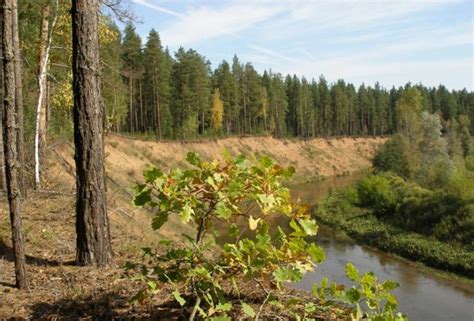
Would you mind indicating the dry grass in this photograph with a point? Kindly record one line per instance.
(61, 291)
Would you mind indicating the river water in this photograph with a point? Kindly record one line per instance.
(423, 295)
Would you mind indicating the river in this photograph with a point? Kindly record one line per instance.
(423, 295)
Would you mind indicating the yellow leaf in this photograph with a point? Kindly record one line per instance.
(253, 223)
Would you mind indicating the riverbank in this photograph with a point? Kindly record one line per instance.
(361, 225)
(59, 289)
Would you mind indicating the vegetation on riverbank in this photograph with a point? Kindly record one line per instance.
(237, 197)
(340, 211)
(420, 202)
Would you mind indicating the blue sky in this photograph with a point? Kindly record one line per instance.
(392, 42)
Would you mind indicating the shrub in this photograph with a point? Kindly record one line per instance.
(376, 192)
(223, 194)
(392, 158)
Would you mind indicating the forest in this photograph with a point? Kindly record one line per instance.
(149, 91)
(70, 74)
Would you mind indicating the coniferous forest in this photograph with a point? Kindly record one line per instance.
(149, 91)
(223, 239)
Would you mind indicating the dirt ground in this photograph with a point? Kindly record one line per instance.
(61, 291)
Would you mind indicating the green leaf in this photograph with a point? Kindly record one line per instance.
(286, 274)
(158, 221)
(353, 295)
(298, 231)
(222, 211)
(317, 254)
(151, 174)
(153, 286)
(221, 318)
(193, 159)
(351, 272)
(309, 226)
(142, 198)
(234, 230)
(224, 307)
(248, 310)
(186, 213)
(179, 298)
(390, 285)
(266, 200)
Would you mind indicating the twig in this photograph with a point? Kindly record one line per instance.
(260, 309)
(196, 306)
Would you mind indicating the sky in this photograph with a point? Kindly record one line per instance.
(393, 42)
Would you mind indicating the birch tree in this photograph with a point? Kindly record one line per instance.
(44, 51)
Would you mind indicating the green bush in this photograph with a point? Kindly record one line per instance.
(360, 225)
(215, 197)
(392, 158)
(375, 192)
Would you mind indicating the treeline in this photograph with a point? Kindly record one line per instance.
(182, 97)
(147, 90)
(420, 201)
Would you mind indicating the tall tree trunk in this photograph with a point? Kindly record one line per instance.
(19, 103)
(41, 115)
(92, 225)
(3, 180)
(10, 144)
(130, 104)
(142, 121)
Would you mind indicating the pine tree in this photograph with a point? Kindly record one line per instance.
(92, 226)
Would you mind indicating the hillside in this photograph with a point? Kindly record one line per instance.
(63, 290)
(315, 158)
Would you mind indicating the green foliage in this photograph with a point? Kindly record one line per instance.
(218, 197)
(435, 228)
(367, 291)
(391, 157)
(211, 193)
(376, 192)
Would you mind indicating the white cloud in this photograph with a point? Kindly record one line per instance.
(205, 22)
(148, 4)
(360, 41)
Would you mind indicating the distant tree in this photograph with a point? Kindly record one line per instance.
(435, 167)
(133, 71)
(157, 86)
(217, 110)
(190, 85)
(409, 108)
(92, 226)
(391, 157)
(114, 91)
(464, 134)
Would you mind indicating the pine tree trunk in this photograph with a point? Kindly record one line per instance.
(130, 104)
(10, 144)
(92, 226)
(19, 103)
(3, 181)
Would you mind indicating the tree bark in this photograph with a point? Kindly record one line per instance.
(10, 144)
(3, 180)
(41, 113)
(19, 103)
(92, 226)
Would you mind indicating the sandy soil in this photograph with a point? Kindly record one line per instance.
(61, 291)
